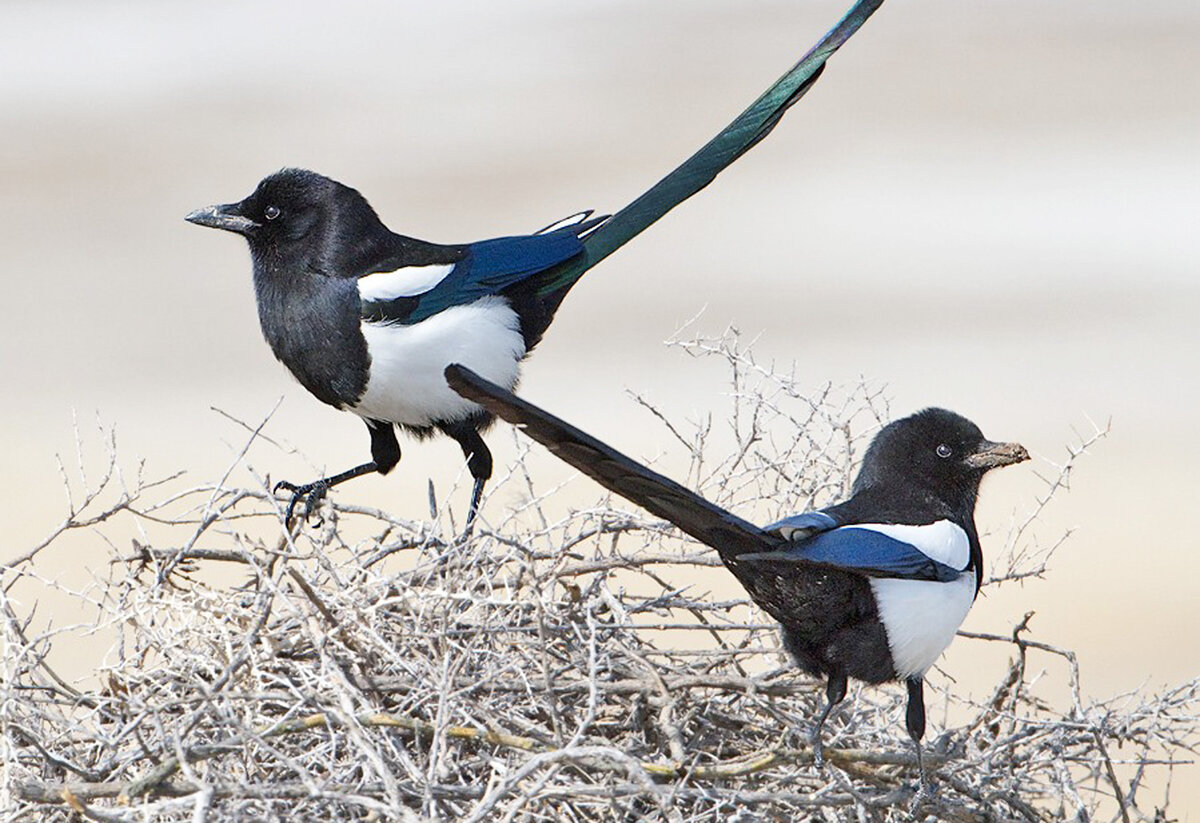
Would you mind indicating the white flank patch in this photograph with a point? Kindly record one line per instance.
(921, 617)
(407, 384)
(406, 282)
(942, 540)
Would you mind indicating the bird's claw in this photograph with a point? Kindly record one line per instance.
(311, 493)
(924, 795)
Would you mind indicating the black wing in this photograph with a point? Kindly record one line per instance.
(710, 524)
(477, 270)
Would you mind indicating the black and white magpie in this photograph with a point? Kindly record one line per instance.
(367, 319)
(873, 588)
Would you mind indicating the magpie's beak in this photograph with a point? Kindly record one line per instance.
(224, 217)
(991, 455)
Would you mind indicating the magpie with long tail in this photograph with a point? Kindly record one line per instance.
(367, 319)
(872, 588)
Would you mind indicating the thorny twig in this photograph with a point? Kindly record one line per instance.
(560, 665)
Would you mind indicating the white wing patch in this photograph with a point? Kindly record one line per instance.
(570, 220)
(406, 282)
(920, 618)
(406, 382)
(942, 540)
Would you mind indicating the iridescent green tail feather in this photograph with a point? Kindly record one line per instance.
(699, 170)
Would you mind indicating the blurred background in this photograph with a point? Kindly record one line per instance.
(987, 206)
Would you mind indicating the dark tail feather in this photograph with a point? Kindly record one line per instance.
(661, 496)
(701, 168)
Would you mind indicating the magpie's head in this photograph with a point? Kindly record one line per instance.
(298, 216)
(937, 451)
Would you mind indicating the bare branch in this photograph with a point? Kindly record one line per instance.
(574, 666)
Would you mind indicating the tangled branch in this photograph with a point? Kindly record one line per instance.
(561, 666)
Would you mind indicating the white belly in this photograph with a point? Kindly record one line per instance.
(407, 384)
(921, 618)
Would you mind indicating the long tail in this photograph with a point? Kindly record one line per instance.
(661, 496)
(701, 168)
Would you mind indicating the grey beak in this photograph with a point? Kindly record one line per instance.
(222, 217)
(991, 455)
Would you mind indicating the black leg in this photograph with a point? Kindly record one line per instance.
(835, 692)
(384, 448)
(479, 462)
(476, 493)
(914, 719)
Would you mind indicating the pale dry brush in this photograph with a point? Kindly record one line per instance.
(570, 665)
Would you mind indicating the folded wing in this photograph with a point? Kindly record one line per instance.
(408, 296)
(874, 550)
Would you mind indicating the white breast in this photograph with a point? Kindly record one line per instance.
(943, 540)
(407, 384)
(921, 617)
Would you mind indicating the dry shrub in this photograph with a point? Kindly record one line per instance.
(553, 667)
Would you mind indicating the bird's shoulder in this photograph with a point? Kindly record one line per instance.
(408, 287)
(876, 537)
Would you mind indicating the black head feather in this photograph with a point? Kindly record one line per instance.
(304, 220)
(942, 454)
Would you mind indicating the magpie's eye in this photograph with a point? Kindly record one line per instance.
(943, 451)
(271, 212)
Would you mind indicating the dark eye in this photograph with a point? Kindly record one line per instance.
(271, 212)
(943, 451)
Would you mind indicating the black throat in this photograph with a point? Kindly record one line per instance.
(309, 307)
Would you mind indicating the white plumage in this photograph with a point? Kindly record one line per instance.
(407, 384)
(942, 540)
(921, 618)
(405, 282)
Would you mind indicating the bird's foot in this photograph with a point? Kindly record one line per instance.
(924, 795)
(468, 529)
(818, 750)
(312, 494)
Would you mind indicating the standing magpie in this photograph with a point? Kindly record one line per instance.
(873, 588)
(367, 319)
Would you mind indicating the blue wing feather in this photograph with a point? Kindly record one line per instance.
(491, 266)
(816, 539)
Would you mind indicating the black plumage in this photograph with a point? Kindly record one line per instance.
(315, 242)
(341, 297)
(871, 588)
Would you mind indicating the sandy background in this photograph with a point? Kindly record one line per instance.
(991, 207)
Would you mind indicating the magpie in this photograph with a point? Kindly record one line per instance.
(367, 319)
(872, 588)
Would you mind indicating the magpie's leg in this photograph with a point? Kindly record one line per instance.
(385, 451)
(479, 462)
(835, 692)
(915, 721)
